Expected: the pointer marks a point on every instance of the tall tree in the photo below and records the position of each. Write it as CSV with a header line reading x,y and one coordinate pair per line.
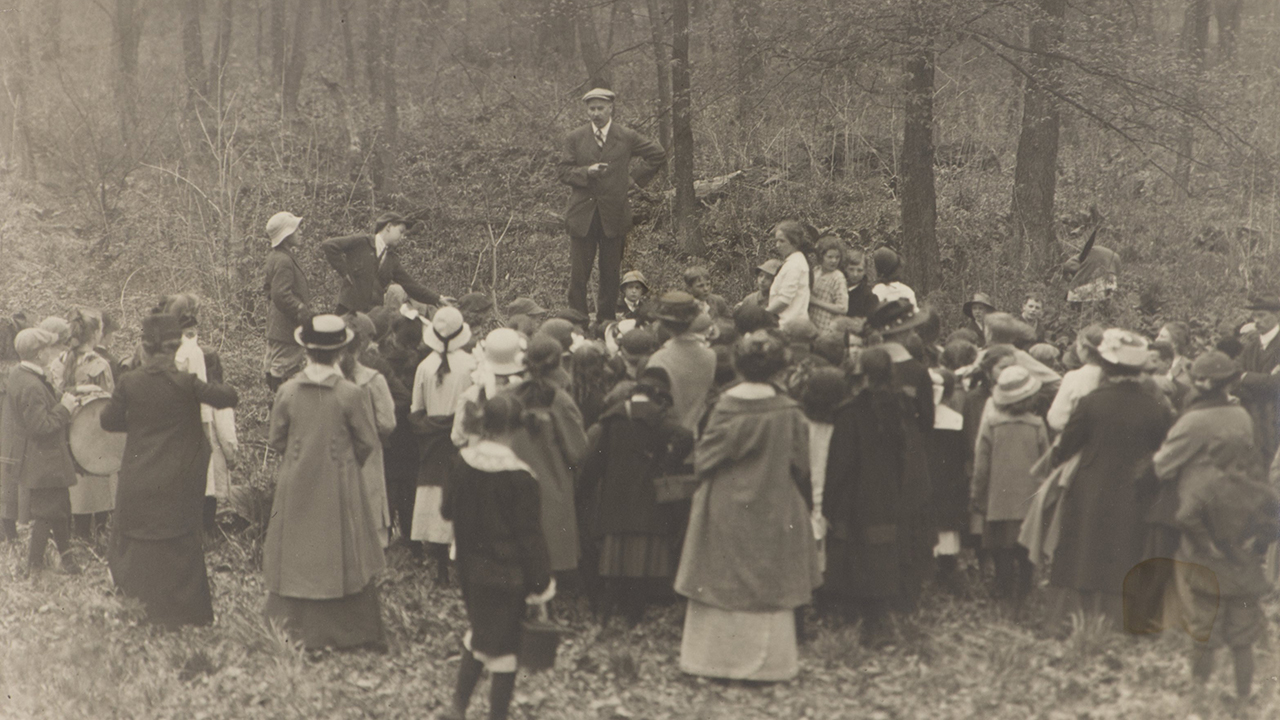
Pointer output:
x,y
127,26
917,193
297,58
221,53
390,107
1194,41
684,213
1035,174
661,59
16,53
748,65
192,53
373,47
593,56
279,18
348,44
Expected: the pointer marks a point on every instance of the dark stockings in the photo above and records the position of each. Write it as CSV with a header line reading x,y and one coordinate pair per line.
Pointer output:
x,y
501,687
1013,575
209,514
8,530
89,526
1241,658
439,554
40,531
468,675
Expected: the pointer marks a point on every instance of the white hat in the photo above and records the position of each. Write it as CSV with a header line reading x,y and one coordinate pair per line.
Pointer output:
x,y
600,94
1015,384
446,330
1123,347
504,352
282,225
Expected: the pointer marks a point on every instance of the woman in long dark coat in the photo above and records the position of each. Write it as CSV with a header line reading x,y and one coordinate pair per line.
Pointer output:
x,y
875,498
156,552
1116,428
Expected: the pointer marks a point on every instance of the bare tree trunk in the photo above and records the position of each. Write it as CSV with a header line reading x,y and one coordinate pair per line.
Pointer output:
x,y
748,65
593,57
278,15
348,44
297,58
192,55
662,60
1035,175
555,28
373,47
1228,14
128,34
684,213
221,53
17,77
917,193
390,108
52,45
1195,39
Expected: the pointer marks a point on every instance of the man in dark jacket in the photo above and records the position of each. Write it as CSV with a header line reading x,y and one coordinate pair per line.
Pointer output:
x,y
367,264
1260,385
596,164
289,299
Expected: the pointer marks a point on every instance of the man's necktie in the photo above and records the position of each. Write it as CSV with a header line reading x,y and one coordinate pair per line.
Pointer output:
x,y
599,137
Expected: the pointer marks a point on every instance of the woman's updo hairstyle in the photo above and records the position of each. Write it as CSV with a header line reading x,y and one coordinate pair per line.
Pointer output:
x,y
502,414
759,356
796,234
85,323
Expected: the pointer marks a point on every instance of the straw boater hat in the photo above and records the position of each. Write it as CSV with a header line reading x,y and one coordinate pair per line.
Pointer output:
x,y
770,267
1214,365
894,316
600,94
387,218
1015,384
282,225
504,352
978,299
1122,347
323,332
447,330
634,276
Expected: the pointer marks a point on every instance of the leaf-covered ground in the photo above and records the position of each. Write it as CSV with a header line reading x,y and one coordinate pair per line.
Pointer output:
x,y
71,649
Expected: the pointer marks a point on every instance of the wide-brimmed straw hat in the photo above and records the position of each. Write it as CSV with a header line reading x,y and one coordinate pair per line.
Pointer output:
x,y
323,332
1123,347
447,330
1015,384
978,299
282,225
634,276
504,352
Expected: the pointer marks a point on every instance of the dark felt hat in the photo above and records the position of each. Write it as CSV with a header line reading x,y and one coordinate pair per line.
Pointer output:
x,y
475,302
978,299
577,317
525,306
892,316
388,218
160,327
1214,365
1268,304
677,306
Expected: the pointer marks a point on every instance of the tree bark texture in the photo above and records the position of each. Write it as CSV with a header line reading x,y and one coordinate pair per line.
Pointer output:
x,y
748,63
348,44
684,213
297,58
1034,241
917,193
390,106
555,31
662,61
192,54
221,52
594,59
373,47
17,78
1194,41
278,22
128,35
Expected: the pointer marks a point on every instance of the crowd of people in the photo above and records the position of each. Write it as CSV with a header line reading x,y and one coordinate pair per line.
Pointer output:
x,y
820,443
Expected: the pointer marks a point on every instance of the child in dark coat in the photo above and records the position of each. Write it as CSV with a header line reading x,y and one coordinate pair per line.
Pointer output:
x,y
502,560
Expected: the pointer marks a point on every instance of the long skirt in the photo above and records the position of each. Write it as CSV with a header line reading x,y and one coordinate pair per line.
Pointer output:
x,y
637,556
168,576
739,645
93,494
428,524
348,622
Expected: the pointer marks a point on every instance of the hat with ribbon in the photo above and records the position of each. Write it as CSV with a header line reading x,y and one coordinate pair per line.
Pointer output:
x,y
504,352
600,94
280,226
1015,384
446,331
1123,347
677,306
1214,365
979,298
391,217
634,276
323,332
898,315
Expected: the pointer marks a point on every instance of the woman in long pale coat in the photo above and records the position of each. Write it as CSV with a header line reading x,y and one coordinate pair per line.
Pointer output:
x,y
322,553
749,557
372,472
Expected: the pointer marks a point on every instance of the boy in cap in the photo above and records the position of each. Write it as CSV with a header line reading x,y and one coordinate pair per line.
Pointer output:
x,y
697,282
368,263
634,292
1259,358
765,272
596,162
290,300
33,442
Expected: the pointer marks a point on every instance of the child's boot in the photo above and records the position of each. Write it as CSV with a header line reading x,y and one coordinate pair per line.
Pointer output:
x,y
469,671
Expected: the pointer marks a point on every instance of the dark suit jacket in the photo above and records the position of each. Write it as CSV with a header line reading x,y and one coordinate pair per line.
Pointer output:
x,y
354,257
33,438
1260,391
166,455
608,192
289,295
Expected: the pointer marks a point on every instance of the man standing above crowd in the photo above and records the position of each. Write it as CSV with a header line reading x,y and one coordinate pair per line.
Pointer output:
x,y
1260,385
596,163
288,297
367,264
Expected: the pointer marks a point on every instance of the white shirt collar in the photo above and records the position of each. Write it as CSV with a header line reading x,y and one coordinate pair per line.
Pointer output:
x,y
33,367
604,131
379,245
1266,339
319,373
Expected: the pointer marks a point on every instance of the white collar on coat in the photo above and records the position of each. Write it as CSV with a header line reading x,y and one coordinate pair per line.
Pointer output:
x,y
320,373
1266,339
490,456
